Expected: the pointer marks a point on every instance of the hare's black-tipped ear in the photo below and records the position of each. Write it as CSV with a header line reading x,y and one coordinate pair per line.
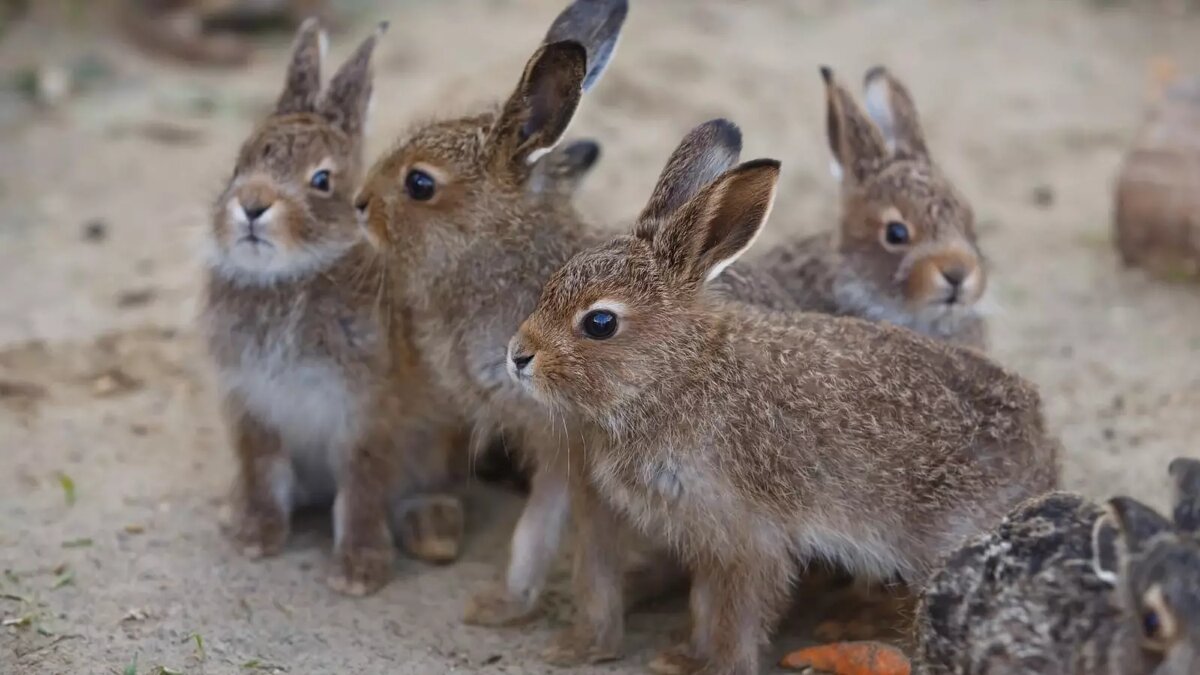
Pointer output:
x,y
595,24
704,153
539,111
1105,559
858,147
348,97
1138,524
303,85
716,226
891,107
562,170
1185,472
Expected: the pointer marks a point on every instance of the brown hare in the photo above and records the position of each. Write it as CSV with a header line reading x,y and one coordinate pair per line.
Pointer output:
x,y
751,442
1061,587
905,251
312,370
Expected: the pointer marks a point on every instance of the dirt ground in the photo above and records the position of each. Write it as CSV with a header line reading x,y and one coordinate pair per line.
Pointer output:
x,y
113,460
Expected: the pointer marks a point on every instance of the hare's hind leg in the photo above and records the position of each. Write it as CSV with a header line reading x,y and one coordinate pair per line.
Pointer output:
x,y
430,526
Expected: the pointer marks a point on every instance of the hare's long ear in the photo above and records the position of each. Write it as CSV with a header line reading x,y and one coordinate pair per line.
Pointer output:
x,y
573,55
539,111
1105,558
303,85
716,226
1186,504
562,170
595,24
346,100
1138,525
858,147
704,154
891,107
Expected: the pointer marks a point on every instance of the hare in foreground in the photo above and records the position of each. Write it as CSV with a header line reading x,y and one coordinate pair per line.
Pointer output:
x,y
752,442
905,251
313,371
1061,587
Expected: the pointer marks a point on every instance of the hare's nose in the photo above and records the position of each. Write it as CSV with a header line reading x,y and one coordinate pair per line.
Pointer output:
x,y
253,211
954,275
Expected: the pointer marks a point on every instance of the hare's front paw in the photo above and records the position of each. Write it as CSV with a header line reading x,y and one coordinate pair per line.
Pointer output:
x,y
495,607
362,570
259,529
677,660
573,648
431,529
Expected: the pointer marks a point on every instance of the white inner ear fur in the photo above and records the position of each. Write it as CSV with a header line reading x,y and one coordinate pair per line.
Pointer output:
x,y
835,169
721,265
879,106
323,52
1107,576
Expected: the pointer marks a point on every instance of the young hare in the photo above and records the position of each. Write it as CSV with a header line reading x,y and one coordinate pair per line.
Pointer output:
x,y
313,373
906,251
1062,587
752,443
473,217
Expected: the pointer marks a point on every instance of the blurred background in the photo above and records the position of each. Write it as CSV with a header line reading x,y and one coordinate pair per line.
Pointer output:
x,y
120,120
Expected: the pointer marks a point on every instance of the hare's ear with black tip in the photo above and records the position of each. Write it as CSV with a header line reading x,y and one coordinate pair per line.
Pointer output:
x,y
1138,525
705,153
858,147
303,85
572,57
715,227
595,24
891,107
1185,472
539,111
348,97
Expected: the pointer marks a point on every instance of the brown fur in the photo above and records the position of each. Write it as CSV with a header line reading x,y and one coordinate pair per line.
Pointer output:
x,y
750,442
471,261
320,383
888,175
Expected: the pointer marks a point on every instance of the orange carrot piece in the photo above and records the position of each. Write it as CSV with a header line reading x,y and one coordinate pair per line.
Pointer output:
x,y
850,658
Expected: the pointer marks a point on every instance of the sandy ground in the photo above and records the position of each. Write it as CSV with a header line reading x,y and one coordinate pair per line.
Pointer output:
x,y
103,384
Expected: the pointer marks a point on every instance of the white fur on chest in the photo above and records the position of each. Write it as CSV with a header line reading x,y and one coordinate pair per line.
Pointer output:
x,y
306,400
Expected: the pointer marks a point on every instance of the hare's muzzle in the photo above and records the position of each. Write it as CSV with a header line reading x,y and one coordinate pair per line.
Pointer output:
x,y
951,276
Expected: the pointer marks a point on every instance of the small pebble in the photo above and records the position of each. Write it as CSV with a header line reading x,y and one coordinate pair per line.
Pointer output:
x,y
1043,196
95,230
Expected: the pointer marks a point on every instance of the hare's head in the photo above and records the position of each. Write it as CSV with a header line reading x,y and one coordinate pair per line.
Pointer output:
x,y
449,182
619,317
907,235
286,210
1157,568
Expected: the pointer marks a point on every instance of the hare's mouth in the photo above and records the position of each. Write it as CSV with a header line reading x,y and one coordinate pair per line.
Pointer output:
x,y
255,242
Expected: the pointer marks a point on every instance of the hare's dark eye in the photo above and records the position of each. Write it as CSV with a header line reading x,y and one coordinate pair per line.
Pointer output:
x,y
320,181
896,233
1151,624
599,324
419,185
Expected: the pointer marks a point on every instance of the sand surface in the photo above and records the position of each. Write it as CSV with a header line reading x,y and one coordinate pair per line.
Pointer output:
x,y
103,381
